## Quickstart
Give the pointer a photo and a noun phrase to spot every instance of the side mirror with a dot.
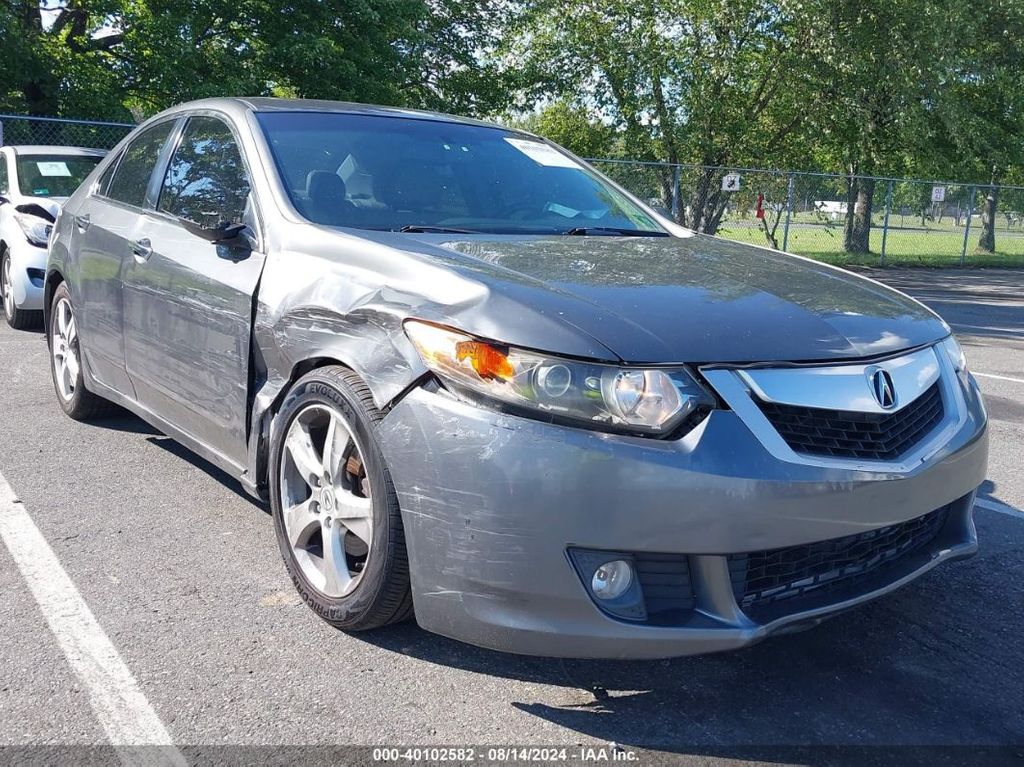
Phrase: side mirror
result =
(34, 209)
(3, 200)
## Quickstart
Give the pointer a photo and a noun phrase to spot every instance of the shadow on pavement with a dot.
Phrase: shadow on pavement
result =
(123, 420)
(180, 451)
(938, 663)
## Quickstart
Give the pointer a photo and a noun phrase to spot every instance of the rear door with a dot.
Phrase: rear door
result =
(104, 223)
(188, 302)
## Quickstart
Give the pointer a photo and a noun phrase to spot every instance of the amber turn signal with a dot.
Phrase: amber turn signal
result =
(487, 361)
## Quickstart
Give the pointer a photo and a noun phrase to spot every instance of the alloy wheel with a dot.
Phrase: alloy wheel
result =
(325, 500)
(8, 289)
(64, 349)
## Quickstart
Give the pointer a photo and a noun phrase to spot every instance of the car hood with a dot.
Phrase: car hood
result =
(695, 299)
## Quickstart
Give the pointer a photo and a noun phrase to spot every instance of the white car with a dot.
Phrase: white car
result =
(34, 182)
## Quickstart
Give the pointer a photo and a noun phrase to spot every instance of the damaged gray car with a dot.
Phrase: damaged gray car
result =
(483, 385)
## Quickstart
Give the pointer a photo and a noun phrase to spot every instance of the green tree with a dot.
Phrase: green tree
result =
(881, 61)
(978, 113)
(711, 82)
(573, 127)
(108, 58)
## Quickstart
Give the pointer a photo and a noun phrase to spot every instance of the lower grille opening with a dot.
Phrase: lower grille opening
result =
(777, 581)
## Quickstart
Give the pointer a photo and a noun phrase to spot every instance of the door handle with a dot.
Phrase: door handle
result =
(142, 249)
(82, 222)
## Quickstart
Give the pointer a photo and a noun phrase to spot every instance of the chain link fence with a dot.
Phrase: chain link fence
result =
(52, 131)
(844, 220)
(839, 219)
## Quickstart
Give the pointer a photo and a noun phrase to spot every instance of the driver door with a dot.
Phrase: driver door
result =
(188, 301)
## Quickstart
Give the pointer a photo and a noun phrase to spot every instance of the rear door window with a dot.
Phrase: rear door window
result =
(206, 180)
(131, 179)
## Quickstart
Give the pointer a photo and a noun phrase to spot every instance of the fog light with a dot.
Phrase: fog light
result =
(612, 579)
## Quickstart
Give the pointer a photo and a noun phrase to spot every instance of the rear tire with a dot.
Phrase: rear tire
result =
(335, 509)
(65, 363)
(19, 319)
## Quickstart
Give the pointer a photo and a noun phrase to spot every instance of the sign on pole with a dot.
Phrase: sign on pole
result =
(731, 182)
(938, 194)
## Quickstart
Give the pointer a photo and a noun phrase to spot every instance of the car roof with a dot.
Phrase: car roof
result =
(32, 149)
(267, 104)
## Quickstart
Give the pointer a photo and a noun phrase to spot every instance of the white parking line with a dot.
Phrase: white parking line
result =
(987, 328)
(120, 706)
(999, 378)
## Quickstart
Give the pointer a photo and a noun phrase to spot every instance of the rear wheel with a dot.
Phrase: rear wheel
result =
(19, 319)
(65, 362)
(335, 510)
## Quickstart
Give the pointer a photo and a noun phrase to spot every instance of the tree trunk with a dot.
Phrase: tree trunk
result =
(666, 179)
(857, 237)
(699, 201)
(852, 184)
(987, 241)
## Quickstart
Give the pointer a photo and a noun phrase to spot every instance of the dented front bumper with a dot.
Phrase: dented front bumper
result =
(492, 503)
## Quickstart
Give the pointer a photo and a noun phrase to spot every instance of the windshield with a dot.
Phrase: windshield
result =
(400, 174)
(53, 175)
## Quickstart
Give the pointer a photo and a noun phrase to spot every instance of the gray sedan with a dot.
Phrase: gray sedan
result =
(482, 384)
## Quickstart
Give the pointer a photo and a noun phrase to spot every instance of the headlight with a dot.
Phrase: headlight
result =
(955, 353)
(36, 230)
(640, 400)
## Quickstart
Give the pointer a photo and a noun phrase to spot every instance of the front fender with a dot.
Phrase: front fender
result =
(310, 312)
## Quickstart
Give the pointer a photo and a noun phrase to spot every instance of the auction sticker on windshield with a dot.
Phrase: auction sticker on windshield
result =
(542, 154)
(53, 169)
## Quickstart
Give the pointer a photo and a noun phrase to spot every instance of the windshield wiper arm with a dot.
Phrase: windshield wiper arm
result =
(417, 228)
(583, 231)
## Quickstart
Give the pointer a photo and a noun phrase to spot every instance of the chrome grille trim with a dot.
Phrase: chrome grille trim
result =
(833, 387)
(845, 387)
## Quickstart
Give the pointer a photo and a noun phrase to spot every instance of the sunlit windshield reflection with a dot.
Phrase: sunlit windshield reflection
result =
(415, 175)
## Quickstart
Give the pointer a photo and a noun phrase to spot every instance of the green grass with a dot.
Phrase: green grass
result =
(904, 247)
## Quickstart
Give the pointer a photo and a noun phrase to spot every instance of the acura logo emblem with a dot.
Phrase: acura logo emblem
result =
(883, 388)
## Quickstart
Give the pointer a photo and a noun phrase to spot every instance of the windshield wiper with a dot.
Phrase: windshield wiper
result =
(583, 231)
(418, 229)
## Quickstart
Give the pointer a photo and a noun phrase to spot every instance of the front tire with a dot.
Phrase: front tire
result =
(19, 319)
(65, 362)
(335, 509)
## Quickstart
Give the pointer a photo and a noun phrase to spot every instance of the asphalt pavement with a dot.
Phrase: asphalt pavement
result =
(181, 571)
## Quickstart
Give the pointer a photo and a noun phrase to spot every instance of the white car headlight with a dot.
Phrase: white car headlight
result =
(955, 353)
(609, 397)
(37, 231)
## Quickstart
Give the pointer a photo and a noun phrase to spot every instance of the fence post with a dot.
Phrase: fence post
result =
(789, 215)
(676, 192)
(967, 226)
(885, 221)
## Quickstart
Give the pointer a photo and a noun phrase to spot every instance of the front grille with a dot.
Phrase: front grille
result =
(763, 579)
(848, 434)
(667, 588)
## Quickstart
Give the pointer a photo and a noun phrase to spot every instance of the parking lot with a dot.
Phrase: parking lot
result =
(182, 573)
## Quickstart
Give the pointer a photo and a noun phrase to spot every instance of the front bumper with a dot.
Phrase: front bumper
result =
(492, 503)
(28, 266)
